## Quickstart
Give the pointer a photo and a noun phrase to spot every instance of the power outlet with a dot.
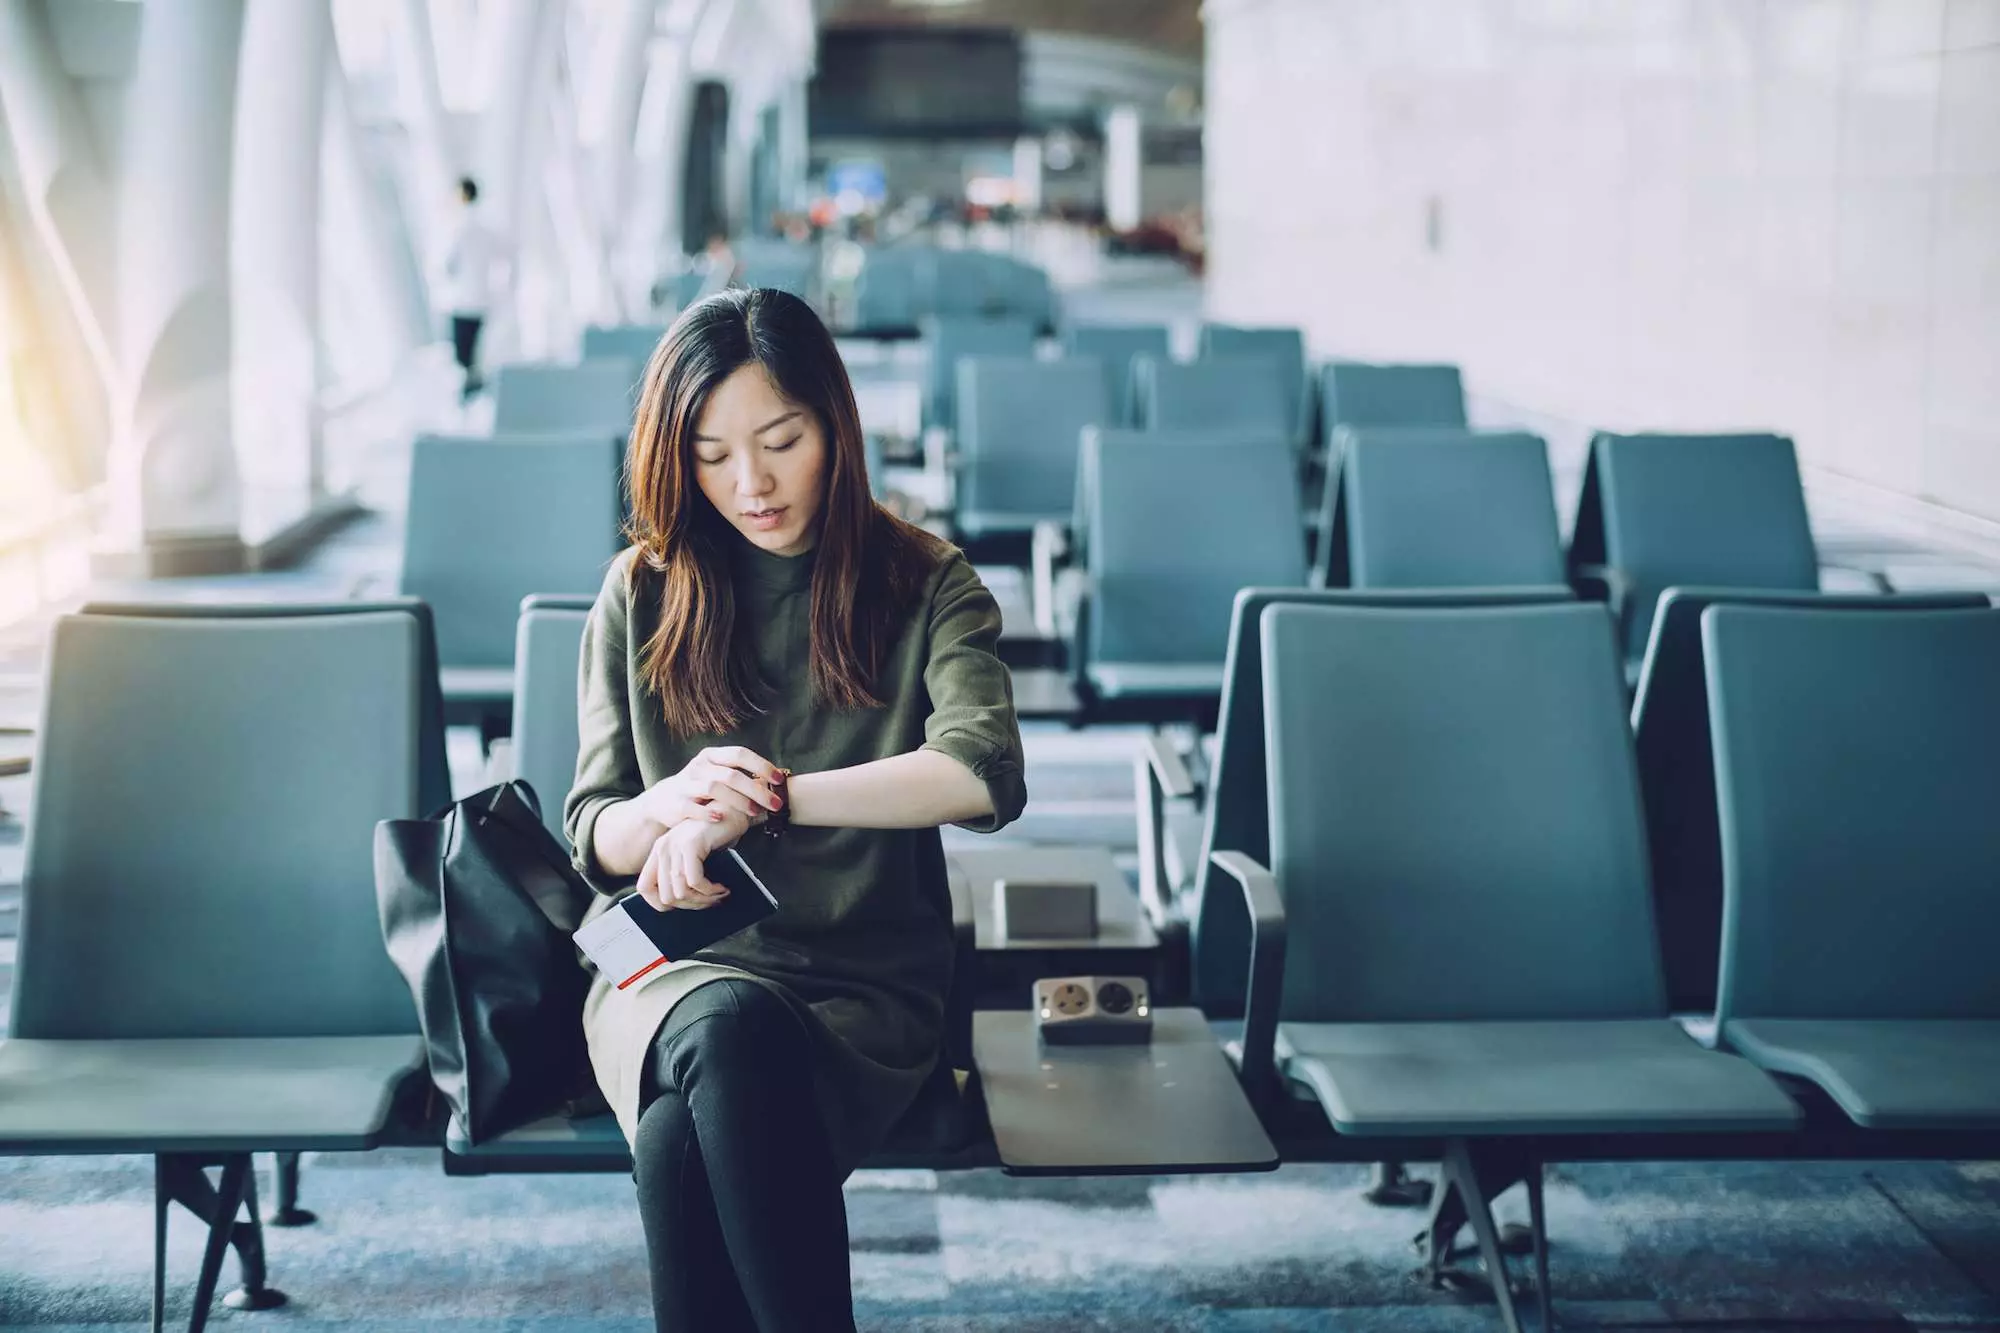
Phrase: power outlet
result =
(1093, 1010)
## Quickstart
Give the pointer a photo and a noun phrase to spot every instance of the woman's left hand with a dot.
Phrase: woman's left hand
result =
(672, 876)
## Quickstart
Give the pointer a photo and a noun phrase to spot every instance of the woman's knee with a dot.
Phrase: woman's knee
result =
(730, 1029)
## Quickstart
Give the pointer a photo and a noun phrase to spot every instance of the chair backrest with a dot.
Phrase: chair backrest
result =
(1158, 439)
(433, 767)
(632, 343)
(1247, 393)
(1354, 394)
(491, 521)
(549, 641)
(1114, 346)
(1441, 509)
(1237, 817)
(1670, 732)
(593, 398)
(1719, 511)
(200, 861)
(959, 284)
(1455, 820)
(1286, 345)
(1857, 763)
(887, 293)
(1019, 424)
(1174, 532)
(947, 339)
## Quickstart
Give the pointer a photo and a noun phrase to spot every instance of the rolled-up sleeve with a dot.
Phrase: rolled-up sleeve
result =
(972, 695)
(607, 765)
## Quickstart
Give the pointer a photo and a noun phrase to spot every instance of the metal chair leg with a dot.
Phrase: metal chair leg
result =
(162, 1201)
(1464, 1175)
(221, 1225)
(1538, 1225)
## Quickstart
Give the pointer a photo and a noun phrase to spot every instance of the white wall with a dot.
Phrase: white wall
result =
(1639, 213)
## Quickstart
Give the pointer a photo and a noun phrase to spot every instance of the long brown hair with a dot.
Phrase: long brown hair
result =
(869, 565)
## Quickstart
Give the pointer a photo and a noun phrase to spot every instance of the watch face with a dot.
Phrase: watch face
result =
(1114, 998)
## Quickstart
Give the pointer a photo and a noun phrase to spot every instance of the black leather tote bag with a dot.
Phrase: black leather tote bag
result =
(478, 903)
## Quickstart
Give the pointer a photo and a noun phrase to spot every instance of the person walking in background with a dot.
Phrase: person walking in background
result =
(476, 266)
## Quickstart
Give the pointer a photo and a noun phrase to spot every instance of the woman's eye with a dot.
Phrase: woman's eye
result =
(780, 448)
(711, 462)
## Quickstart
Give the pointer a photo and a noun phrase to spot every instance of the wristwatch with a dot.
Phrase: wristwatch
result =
(776, 820)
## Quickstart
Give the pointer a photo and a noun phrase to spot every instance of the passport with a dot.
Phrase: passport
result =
(633, 941)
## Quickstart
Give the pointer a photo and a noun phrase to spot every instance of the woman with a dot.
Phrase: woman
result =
(776, 650)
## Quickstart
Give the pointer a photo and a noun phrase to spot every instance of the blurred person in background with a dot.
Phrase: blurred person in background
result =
(476, 268)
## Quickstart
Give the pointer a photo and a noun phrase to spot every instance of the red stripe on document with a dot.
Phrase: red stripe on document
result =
(642, 972)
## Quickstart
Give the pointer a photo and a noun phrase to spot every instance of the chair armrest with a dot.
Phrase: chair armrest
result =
(1168, 770)
(1256, 1059)
(1160, 776)
(1615, 582)
(1048, 544)
(1876, 577)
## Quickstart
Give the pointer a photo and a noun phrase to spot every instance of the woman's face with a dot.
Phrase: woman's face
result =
(761, 461)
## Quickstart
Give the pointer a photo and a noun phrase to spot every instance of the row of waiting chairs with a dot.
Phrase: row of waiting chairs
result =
(1444, 941)
(901, 286)
(1016, 418)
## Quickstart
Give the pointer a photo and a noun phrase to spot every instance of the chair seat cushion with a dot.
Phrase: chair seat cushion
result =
(1618, 1076)
(1138, 680)
(1886, 1073)
(245, 1094)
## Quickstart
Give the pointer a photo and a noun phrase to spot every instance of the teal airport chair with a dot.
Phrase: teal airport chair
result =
(1857, 762)
(595, 398)
(1174, 531)
(1114, 346)
(1251, 394)
(1414, 508)
(1020, 423)
(947, 339)
(630, 343)
(1670, 733)
(235, 997)
(1287, 346)
(491, 521)
(1711, 511)
(1458, 852)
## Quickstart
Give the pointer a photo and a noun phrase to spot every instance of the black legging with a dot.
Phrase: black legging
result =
(746, 1228)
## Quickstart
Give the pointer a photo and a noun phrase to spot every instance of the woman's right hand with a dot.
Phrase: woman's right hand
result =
(719, 782)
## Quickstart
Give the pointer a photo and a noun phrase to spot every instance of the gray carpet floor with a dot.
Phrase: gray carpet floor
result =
(400, 1246)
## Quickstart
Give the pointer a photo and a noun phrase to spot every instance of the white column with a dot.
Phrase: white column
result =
(435, 191)
(623, 57)
(518, 40)
(69, 195)
(281, 102)
(652, 227)
(375, 313)
(1122, 164)
(173, 479)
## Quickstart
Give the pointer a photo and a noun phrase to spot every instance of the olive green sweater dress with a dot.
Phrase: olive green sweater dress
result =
(862, 942)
